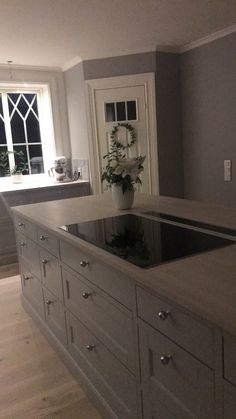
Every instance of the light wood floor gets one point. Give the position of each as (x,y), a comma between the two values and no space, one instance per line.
(34,384)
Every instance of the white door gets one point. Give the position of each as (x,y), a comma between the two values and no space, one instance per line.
(126,99)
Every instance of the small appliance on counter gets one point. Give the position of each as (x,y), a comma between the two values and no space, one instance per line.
(61,170)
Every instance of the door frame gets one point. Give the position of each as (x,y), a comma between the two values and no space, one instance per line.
(148,81)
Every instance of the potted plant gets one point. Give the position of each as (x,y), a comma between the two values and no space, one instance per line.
(122,172)
(19,169)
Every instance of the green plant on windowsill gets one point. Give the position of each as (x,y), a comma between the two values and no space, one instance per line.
(20,168)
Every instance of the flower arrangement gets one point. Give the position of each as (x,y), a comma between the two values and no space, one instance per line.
(120,169)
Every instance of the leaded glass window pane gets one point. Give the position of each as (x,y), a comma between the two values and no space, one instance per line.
(36,158)
(3,139)
(17,128)
(32,126)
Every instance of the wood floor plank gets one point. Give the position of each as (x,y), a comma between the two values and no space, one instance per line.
(34,383)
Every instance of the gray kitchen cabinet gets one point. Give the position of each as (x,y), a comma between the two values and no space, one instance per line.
(175,384)
(55,316)
(11,198)
(138,355)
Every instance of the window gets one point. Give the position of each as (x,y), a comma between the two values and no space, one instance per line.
(25,122)
(121,111)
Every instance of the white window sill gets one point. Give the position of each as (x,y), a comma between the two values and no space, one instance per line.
(32,182)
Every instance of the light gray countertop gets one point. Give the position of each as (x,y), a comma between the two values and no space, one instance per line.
(204,284)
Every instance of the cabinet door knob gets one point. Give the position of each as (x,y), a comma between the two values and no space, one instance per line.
(162,315)
(43,238)
(165,359)
(49,302)
(20,224)
(90,347)
(83,263)
(26,277)
(22,244)
(44,261)
(86,295)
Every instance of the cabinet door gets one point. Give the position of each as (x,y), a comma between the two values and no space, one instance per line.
(29,253)
(55,316)
(32,290)
(111,322)
(51,273)
(112,380)
(229,401)
(175,384)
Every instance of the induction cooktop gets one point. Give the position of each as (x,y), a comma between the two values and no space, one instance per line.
(143,241)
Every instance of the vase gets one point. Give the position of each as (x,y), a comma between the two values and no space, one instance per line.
(17,178)
(122,200)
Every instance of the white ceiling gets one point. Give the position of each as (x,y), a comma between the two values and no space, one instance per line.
(56,32)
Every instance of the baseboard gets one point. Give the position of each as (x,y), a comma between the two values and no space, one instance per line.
(93,394)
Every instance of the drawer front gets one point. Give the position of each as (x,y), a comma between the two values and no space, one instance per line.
(229,401)
(51,273)
(230,358)
(173,379)
(25,227)
(111,379)
(32,290)
(110,321)
(111,281)
(29,252)
(183,329)
(55,316)
(48,241)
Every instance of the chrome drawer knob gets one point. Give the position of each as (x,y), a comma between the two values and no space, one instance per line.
(22,244)
(90,347)
(86,295)
(20,224)
(165,359)
(162,315)
(44,261)
(48,302)
(43,238)
(27,277)
(83,263)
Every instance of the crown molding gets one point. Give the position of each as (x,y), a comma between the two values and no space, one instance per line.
(28,67)
(207,39)
(71,63)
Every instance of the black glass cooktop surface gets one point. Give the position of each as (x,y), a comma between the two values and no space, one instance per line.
(144,242)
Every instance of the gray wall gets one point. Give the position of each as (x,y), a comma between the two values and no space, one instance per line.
(74,83)
(169,127)
(166,68)
(209,120)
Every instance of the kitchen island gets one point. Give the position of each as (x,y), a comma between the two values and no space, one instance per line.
(153,343)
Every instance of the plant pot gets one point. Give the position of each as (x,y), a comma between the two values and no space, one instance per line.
(17,178)
(122,201)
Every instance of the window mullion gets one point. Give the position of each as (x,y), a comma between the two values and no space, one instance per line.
(8,129)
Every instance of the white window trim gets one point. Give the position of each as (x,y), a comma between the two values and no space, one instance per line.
(45,117)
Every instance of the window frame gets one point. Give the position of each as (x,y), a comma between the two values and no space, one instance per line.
(45,120)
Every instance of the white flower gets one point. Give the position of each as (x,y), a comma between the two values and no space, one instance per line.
(113,164)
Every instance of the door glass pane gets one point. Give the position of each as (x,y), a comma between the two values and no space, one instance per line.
(21,160)
(36,159)
(131,110)
(17,128)
(120,111)
(110,112)
(4,162)
(32,126)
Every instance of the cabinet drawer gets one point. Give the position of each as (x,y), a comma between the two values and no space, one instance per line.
(111,379)
(110,321)
(55,316)
(25,227)
(192,335)
(111,281)
(230,358)
(229,401)
(173,379)
(32,290)
(48,241)
(28,252)
(51,273)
